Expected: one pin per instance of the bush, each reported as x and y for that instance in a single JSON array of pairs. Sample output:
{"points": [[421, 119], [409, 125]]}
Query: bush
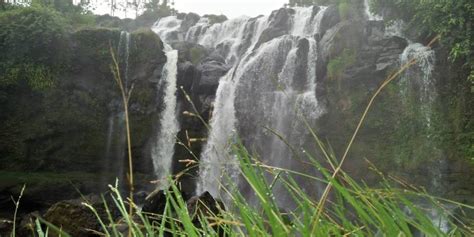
{"points": [[29, 41], [338, 65], [452, 20]]}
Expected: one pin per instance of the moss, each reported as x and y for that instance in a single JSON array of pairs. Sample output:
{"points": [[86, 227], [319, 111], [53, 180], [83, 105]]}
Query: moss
{"points": [[145, 39], [344, 7], [338, 65], [196, 54]]}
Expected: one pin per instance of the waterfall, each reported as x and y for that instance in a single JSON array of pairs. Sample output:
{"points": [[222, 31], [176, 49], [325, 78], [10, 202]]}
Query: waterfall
{"points": [[272, 86], [215, 159], [163, 149], [420, 76], [124, 54], [114, 155], [418, 83], [167, 28], [418, 86]]}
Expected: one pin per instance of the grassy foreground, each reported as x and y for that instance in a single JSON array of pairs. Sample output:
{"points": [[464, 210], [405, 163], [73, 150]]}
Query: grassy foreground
{"points": [[352, 210]]}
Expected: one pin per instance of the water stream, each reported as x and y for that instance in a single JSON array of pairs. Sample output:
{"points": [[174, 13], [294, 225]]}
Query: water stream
{"points": [[163, 148]]}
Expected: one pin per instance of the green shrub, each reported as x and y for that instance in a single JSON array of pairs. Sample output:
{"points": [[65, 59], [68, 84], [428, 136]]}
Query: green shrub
{"points": [[30, 39], [338, 65]]}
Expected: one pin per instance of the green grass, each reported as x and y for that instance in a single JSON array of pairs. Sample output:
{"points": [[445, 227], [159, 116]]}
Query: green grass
{"points": [[354, 209]]}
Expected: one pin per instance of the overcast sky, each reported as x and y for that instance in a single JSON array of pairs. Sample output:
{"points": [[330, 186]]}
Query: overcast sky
{"points": [[230, 8]]}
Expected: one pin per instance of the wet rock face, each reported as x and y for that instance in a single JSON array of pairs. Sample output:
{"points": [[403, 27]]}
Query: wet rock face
{"points": [[280, 24], [299, 81], [344, 35], [330, 19], [72, 121], [212, 69], [189, 20]]}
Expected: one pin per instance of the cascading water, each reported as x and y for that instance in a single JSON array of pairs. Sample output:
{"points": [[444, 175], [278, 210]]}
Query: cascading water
{"points": [[163, 149], [420, 77], [269, 89], [124, 54], [279, 78], [167, 28]]}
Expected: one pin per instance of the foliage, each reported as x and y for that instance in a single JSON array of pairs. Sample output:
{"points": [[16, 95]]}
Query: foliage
{"points": [[154, 10], [452, 20], [344, 6], [303, 3], [338, 65], [24, 57]]}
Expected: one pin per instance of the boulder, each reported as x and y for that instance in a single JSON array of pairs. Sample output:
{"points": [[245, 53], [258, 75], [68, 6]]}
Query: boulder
{"points": [[75, 218], [280, 24], [155, 203], [212, 69], [189, 20], [206, 205], [191, 52]]}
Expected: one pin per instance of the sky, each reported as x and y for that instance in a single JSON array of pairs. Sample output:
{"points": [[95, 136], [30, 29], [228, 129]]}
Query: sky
{"points": [[230, 8]]}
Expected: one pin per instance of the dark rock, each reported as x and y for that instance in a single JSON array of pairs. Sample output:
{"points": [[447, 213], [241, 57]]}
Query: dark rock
{"points": [[301, 71], [375, 31], [206, 206], [188, 74], [75, 218], [316, 9], [247, 41], [215, 19], [189, 20], [26, 224], [6, 227], [330, 19], [190, 52], [389, 56], [212, 69], [344, 35], [280, 24], [155, 203]]}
